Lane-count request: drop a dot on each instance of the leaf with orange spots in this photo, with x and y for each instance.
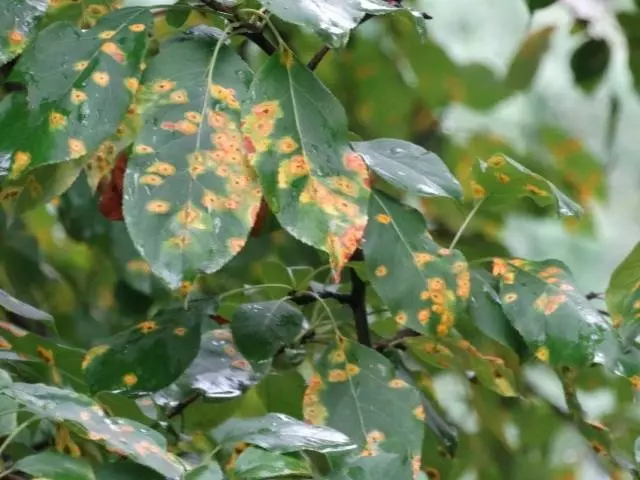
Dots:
(297, 139)
(357, 391)
(500, 182)
(18, 22)
(424, 285)
(623, 292)
(124, 436)
(190, 196)
(83, 14)
(556, 321)
(171, 335)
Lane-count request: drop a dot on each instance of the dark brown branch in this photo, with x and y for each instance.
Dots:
(317, 58)
(305, 298)
(179, 408)
(594, 296)
(397, 338)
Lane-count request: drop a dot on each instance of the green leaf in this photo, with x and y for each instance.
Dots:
(20, 308)
(280, 433)
(297, 136)
(55, 466)
(18, 22)
(129, 361)
(256, 464)
(126, 470)
(261, 329)
(501, 181)
(270, 391)
(526, 62)
(356, 390)
(178, 14)
(409, 167)
(590, 62)
(127, 437)
(206, 472)
(555, 320)
(630, 25)
(623, 292)
(390, 461)
(190, 198)
(539, 4)
(8, 407)
(424, 285)
(67, 88)
(84, 14)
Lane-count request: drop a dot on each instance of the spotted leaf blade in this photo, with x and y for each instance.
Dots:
(190, 198)
(297, 138)
(501, 181)
(77, 94)
(356, 391)
(623, 293)
(17, 25)
(552, 316)
(424, 285)
(129, 361)
(83, 14)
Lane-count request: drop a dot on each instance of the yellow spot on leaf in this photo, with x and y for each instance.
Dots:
(236, 244)
(398, 383)
(131, 84)
(138, 266)
(158, 206)
(143, 149)
(352, 369)
(477, 190)
(383, 218)
(16, 38)
(80, 66)
(130, 379)
(337, 356)
(57, 120)
(100, 78)
(287, 145)
(336, 375)
(542, 354)
(147, 326)
(181, 241)
(21, 161)
(46, 354)
(510, 297)
(179, 97)
(137, 27)
(419, 413)
(154, 180)
(78, 96)
(186, 127)
(162, 168)
(194, 117)
(190, 217)
(381, 271)
(420, 258)
(423, 316)
(114, 51)
(179, 331)
(93, 353)
(496, 161)
(536, 190)
(401, 318)
(107, 34)
(162, 86)
(77, 148)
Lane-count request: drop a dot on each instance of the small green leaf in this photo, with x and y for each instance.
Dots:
(128, 362)
(8, 407)
(55, 466)
(261, 329)
(257, 464)
(409, 167)
(18, 22)
(501, 181)
(424, 285)
(630, 25)
(211, 471)
(539, 4)
(297, 138)
(590, 62)
(623, 292)
(525, 65)
(280, 433)
(178, 14)
(20, 308)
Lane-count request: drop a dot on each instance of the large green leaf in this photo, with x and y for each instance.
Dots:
(261, 329)
(77, 95)
(257, 464)
(623, 292)
(126, 437)
(409, 167)
(552, 316)
(501, 181)
(525, 65)
(129, 361)
(281, 433)
(55, 466)
(424, 285)
(356, 390)
(23, 309)
(18, 22)
(297, 136)
(190, 198)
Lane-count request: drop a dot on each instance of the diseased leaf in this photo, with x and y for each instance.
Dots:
(257, 464)
(356, 390)
(553, 317)
(127, 437)
(501, 181)
(297, 136)
(425, 286)
(409, 167)
(24, 310)
(390, 461)
(55, 466)
(525, 65)
(83, 14)
(280, 433)
(190, 198)
(18, 22)
(623, 292)
(146, 357)
(260, 330)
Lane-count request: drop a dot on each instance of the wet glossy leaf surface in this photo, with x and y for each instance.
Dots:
(355, 390)
(425, 286)
(260, 330)
(206, 472)
(391, 461)
(256, 464)
(23, 309)
(623, 293)
(17, 25)
(190, 198)
(297, 133)
(281, 433)
(147, 357)
(409, 167)
(55, 466)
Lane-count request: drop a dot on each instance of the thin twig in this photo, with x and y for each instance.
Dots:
(358, 306)
(178, 409)
(306, 298)
(317, 58)
(398, 338)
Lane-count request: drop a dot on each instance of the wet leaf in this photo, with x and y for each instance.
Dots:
(147, 357)
(126, 470)
(297, 133)
(623, 292)
(409, 167)
(18, 22)
(424, 285)
(190, 198)
(84, 14)
(55, 466)
(260, 330)
(256, 464)
(23, 309)
(390, 461)
(525, 65)
(126, 437)
(555, 320)
(501, 181)
(280, 433)
(590, 62)
(206, 472)
(67, 89)
(356, 390)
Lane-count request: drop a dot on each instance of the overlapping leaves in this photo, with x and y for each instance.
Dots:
(190, 199)
(18, 22)
(623, 293)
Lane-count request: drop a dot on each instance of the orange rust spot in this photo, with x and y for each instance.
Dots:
(137, 27)
(100, 78)
(158, 206)
(130, 379)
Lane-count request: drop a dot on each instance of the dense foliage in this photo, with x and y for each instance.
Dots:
(237, 242)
